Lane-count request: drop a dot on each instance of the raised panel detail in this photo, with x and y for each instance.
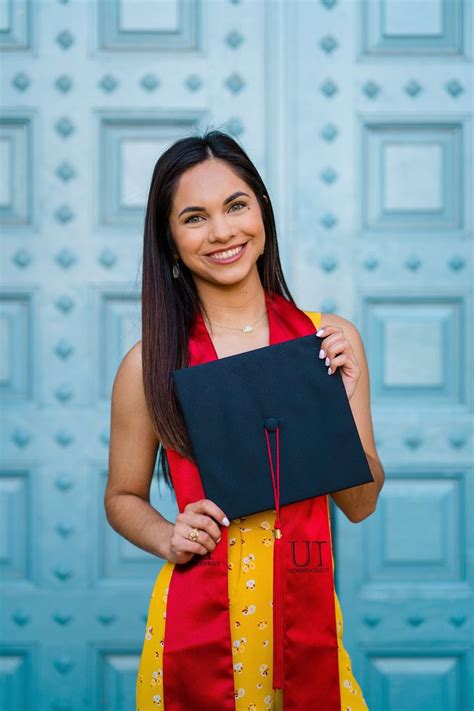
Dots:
(136, 15)
(130, 145)
(433, 28)
(416, 681)
(15, 519)
(412, 177)
(429, 545)
(15, 24)
(16, 684)
(416, 349)
(116, 671)
(16, 174)
(16, 347)
(140, 25)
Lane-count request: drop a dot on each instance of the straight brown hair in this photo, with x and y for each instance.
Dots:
(170, 305)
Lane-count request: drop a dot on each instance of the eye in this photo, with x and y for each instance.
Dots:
(243, 204)
(235, 204)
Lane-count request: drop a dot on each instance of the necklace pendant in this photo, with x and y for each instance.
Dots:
(247, 329)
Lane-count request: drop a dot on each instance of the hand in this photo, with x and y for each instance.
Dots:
(202, 515)
(338, 353)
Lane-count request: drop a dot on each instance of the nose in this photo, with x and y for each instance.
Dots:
(220, 230)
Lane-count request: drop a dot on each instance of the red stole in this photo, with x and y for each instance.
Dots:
(197, 655)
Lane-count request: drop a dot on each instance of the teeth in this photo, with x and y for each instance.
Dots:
(227, 254)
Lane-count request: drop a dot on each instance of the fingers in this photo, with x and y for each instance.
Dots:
(208, 507)
(183, 546)
(205, 523)
(209, 531)
(333, 346)
(180, 543)
(337, 351)
(202, 515)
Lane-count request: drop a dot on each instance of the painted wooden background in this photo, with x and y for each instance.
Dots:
(358, 113)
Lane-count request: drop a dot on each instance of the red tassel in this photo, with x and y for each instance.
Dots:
(278, 628)
(278, 613)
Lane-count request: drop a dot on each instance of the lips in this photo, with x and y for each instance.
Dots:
(214, 260)
(219, 251)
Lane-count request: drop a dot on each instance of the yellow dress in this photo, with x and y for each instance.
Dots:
(250, 561)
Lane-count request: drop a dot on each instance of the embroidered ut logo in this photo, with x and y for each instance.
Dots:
(303, 556)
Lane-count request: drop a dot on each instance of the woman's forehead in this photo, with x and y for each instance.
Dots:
(208, 181)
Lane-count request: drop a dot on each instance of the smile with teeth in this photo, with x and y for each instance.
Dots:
(227, 254)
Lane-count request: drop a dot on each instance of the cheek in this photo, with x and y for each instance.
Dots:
(252, 223)
(188, 241)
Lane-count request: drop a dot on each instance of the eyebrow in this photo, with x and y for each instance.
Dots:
(196, 208)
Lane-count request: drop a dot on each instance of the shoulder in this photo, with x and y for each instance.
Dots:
(331, 319)
(132, 360)
(128, 383)
(128, 402)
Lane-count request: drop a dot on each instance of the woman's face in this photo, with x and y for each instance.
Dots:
(215, 211)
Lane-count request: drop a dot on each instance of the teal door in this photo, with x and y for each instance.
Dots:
(359, 116)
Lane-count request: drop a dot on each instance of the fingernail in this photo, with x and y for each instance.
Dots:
(225, 521)
(327, 361)
(219, 539)
(329, 371)
(321, 353)
(320, 331)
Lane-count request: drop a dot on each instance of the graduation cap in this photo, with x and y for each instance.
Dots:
(270, 420)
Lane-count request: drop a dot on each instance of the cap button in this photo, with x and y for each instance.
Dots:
(271, 423)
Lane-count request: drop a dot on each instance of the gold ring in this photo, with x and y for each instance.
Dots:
(193, 534)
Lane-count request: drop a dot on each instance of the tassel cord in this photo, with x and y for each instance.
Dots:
(278, 627)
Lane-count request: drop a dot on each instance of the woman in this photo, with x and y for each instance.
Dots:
(213, 287)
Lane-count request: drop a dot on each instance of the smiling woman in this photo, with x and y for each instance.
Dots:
(212, 287)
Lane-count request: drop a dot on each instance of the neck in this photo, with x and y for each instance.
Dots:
(234, 306)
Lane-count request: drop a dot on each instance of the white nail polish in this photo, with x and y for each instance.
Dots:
(329, 371)
(225, 521)
(327, 361)
(321, 353)
(320, 332)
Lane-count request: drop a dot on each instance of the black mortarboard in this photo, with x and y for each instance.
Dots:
(230, 403)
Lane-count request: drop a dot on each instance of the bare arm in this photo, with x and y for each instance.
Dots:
(132, 457)
(359, 502)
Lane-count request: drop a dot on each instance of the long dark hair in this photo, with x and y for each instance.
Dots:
(170, 305)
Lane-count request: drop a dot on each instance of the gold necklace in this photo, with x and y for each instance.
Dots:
(245, 329)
